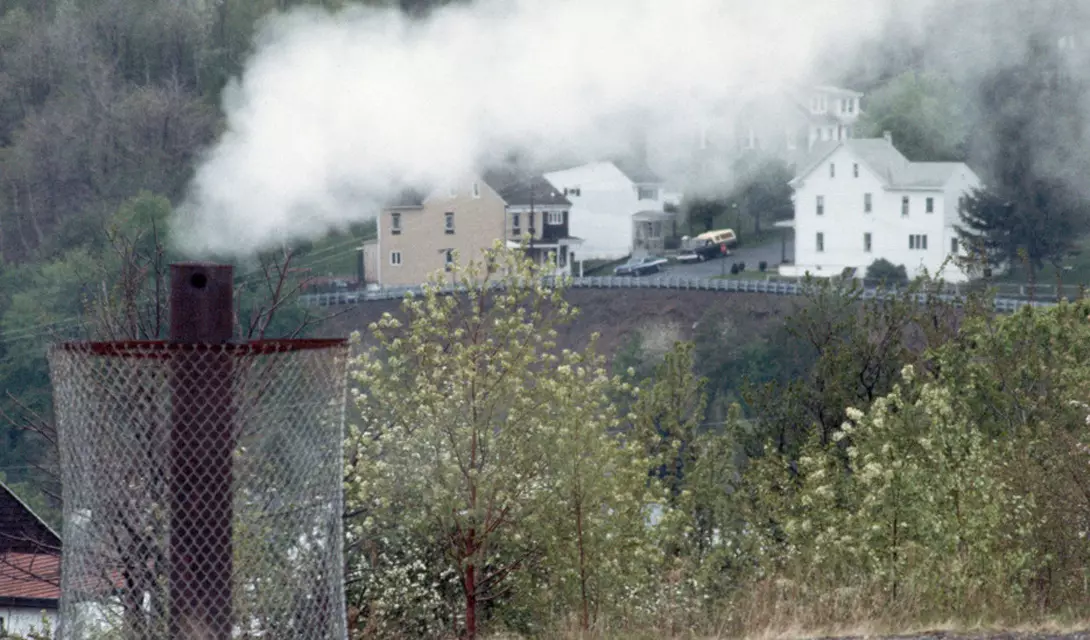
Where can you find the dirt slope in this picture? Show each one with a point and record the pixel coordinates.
(615, 314)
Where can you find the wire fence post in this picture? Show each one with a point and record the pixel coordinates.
(201, 446)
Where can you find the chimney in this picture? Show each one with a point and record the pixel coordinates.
(888, 135)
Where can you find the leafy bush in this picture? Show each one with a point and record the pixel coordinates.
(885, 271)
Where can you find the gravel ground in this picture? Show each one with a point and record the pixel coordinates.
(998, 635)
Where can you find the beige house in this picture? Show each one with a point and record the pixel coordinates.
(419, 234)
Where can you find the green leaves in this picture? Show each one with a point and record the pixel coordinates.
(484, 454)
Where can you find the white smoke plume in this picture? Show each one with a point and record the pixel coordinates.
(337, 111)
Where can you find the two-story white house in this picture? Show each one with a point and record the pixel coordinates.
(604, 198)
(859, 200)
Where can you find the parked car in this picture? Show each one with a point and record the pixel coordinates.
(640, 266)
(708, 245)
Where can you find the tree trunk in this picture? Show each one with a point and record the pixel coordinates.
(582, 562)
(471, 601)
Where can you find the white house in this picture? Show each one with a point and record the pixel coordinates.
(604, 200)
(859, 200)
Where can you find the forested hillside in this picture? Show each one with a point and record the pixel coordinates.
(729, 468)
(104, 107)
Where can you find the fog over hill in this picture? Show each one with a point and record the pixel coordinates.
(337, 110)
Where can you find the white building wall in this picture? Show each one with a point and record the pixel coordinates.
(601, 215)
(961, 184)
(845, 223)
(21, 621)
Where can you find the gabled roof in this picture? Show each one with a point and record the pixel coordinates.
(884, 160)
(407, 199)
(523, 189)
(21, 530)
(29, 552)
(928, 174)
(838, 91)
(30, 576)
(637, 171)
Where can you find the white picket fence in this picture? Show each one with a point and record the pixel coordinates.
(766, 286)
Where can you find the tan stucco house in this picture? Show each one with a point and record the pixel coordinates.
(419, 233)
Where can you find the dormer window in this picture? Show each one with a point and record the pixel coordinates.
(647, 193)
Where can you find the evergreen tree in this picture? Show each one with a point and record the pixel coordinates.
(1032, 209)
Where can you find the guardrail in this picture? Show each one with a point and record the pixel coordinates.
(767, 287)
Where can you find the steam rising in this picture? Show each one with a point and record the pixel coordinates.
(336, 112)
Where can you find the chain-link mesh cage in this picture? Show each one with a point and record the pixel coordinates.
(202, 489)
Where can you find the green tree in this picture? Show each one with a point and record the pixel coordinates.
(1031, 207)
(926, 113)
(487, 445)
(1040, 224)
(765, 192)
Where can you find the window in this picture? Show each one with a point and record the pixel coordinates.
(866, 242)
(476, 190)
(395, 223)
(904, 206)
(868, 203)
(448, 222)
(573, 191)
(954, 246)
(820, 242)
(515, 225)
(821, 205)
(554, 218)
(395, 258)
(647, 193)
(855, 169)
(931, 205)
(452, 192)
(917, 242)
(448, 259)
(832, 170)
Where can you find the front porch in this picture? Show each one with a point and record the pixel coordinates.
(556, 258)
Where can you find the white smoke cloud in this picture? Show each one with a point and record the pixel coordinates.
(334, 112)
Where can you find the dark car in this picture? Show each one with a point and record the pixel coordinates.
(640, 266)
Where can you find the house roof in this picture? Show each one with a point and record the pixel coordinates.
(523, 189)
(928, 174)
(21, 530)
(407, 199)
(838, 91)
(881, 157)
(637, 171)
(652, 215)
(30, 576)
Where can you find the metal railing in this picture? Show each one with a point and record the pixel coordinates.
(681, 283)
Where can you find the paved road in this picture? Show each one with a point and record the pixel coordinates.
(770, 252)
